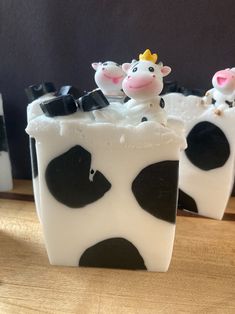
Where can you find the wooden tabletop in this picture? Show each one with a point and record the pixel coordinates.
(201, 278)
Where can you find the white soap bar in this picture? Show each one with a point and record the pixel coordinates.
(206, 172)
(108, 190)
(5, 164)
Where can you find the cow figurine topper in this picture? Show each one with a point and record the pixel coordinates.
(144, 82)
(108, 77)
(222, 95)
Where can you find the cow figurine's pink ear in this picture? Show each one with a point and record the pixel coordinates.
(126, 67)
(95, 65)
(165, 70)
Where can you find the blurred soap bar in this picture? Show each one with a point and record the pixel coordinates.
(206, 172)
(5, 164)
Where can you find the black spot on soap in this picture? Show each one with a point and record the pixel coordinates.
(3, 136)
(33, 156)
(67, 178)
(187, 202)
(208, 147)
(155, 189)
(113, 253)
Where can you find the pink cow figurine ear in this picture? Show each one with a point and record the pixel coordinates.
(126, 67)
(165, 70)
(95, 65)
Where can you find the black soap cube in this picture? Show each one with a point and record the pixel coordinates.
(59, 106)
(93, 100)
(33, 92)
(70, 90)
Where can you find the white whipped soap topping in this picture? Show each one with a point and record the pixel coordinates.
(125, 124)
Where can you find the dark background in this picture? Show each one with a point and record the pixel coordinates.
(56, 40)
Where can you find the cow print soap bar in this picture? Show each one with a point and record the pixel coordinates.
(108, 175)
(206, 172)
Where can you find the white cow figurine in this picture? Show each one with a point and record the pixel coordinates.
(144, 82)
(222, 94)
(108, 77)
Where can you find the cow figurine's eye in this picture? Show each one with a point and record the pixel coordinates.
(135, 69)
(117, 64)
(105, 63)
(151, 69)
(162, 103)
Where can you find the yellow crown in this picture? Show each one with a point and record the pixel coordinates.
(148, 56)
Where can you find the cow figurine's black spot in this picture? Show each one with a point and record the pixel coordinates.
(186, 202)
(3, 136)
(229, 103)
(113, 253)
(67, 178)
(155, 189)
(33, 155)
(208, 147)
(213, 101)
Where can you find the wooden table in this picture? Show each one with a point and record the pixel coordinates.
(201, 278)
